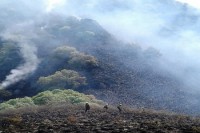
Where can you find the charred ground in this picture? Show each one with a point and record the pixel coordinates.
(72, 118)
(125, 72)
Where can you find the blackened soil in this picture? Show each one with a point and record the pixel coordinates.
(72, 118)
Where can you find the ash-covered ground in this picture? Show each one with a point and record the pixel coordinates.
(84, 52)
(62, 118)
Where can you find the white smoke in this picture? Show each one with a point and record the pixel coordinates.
(167, 25)
(194, 3)
(22, 35)
(52, 4)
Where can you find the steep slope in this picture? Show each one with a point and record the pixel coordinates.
(125, 73)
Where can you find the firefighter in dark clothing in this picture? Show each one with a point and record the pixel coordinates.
(119, 107)
(106, 106)
(87, 106)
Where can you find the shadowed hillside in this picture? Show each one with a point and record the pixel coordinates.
(105, 67)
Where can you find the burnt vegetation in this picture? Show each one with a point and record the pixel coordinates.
(68, 117)
(99, 64)
(55, 64)
(81, 62)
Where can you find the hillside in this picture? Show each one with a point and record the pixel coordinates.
(57, 56)
(101, 65)
(72, 118)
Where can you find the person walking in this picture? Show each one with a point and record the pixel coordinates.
(106, 107)
(119, 107)
(87, 106)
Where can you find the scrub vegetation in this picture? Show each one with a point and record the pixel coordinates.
(55, 96)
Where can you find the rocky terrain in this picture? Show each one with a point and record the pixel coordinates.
(64, 118)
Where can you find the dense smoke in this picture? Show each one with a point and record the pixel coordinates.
(19, 73)
(22, 37)
(169, 26)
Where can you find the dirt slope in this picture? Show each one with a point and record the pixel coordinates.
(72, 118)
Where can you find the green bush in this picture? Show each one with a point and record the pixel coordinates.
(74, 57)
(82, 60)
(4, 106)
(59, 95)
(62, 79)
(64, 52)
(17, 103)
(43, 98)
(50, 97)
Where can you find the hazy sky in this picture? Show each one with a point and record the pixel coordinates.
(52, 3)
(194, 3)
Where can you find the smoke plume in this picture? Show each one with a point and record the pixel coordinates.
(28, 50)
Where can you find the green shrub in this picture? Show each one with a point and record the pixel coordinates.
(17, 103)
(43, 98)
(62, 79)
(74, 57)
(4, 106)
(82, 60)
(58, 95)
(50, 97)
(64, 52)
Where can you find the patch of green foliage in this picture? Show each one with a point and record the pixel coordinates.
(75, 58)
(17, 103)
(82, 60)
(50, 97)
(62, 79)
(64, 52)
(58, 95)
